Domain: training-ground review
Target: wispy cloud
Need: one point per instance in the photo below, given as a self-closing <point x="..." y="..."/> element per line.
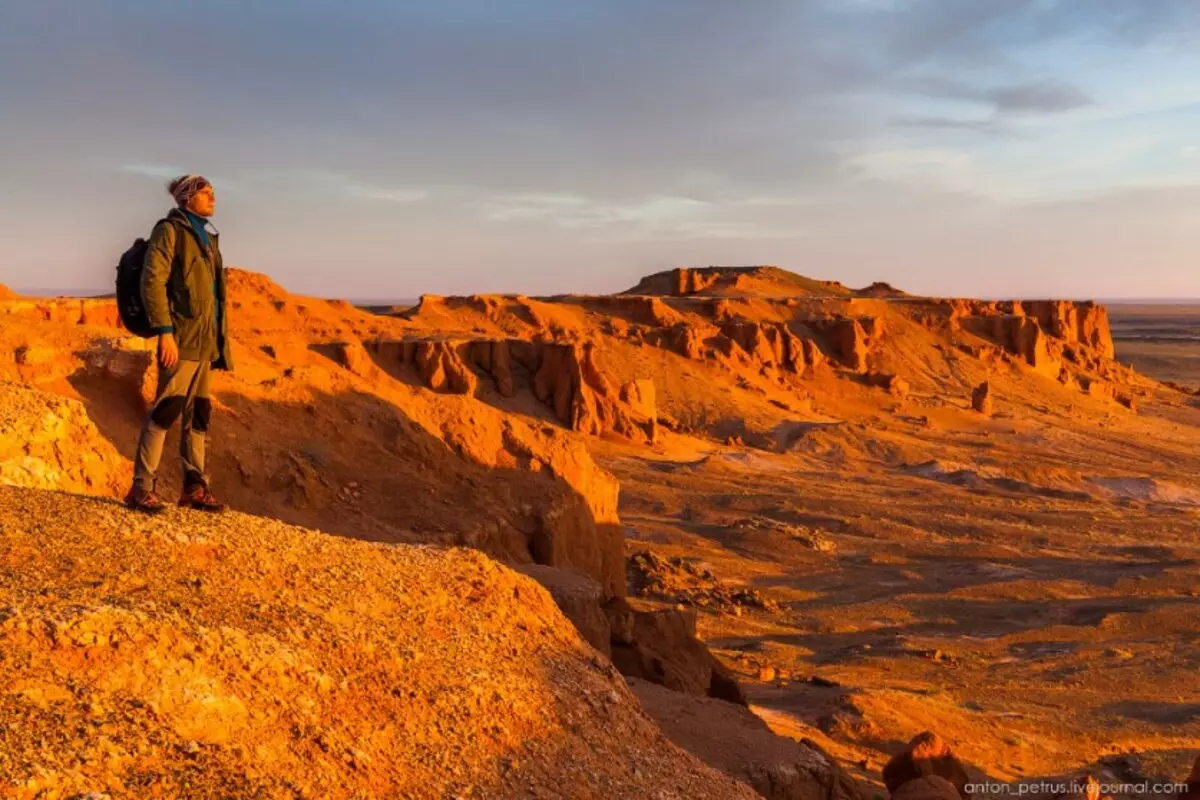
<point x="1039" y="97"/>
<point x="160" y="171"/>
<point x="874" y="127"/>
<point x="643" y="219"/>
<point x="386" y="195"/>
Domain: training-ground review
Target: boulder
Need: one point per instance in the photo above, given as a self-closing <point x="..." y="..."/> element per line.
<point x="925" y="755"/>
<point x="1127" y="400"/>
<point x="892" y="384"/>
<point x="981" y="399"/>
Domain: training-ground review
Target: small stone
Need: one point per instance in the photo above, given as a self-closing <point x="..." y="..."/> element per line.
<point x="766" y="673"/>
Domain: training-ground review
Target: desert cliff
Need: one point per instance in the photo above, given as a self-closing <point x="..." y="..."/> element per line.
<point x="826" y="520"/>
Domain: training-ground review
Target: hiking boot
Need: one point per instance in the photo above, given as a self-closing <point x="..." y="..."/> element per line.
<point x="199" y="497"/>
<point x="144" y="500"/>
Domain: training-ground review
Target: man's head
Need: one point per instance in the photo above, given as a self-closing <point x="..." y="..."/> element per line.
<point x="194" y="193"/>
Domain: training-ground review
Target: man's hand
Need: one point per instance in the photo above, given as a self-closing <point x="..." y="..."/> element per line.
<point x="168" y="350"/>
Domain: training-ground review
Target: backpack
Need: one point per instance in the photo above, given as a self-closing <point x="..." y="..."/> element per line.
<point x="130" y="305"/>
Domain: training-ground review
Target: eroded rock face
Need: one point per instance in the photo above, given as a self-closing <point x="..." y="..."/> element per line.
<point x="850" y="338"/>
<point x="49" y="442"/>
<point x="771" y="344"/>
<point x="732" y="739"/>
<point x="927" y="754"/>
<point x="661" y="647"/>
<point x="563" y="376"/>
<point x="579" y="598"/>
<point x="1085" y="323"/>
<point x="679" y="282"/>
<point x="1042" y="333"/>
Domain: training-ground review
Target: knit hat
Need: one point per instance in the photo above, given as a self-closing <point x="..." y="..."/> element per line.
<point x="185" y="187"/>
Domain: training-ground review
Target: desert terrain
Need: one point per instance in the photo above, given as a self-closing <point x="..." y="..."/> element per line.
<point x="733" y="531"/>
<point x="1161" y="340"/>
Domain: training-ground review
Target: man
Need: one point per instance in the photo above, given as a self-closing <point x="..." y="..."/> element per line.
<point x="183" y="288"/>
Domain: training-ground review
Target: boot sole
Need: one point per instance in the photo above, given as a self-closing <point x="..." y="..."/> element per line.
<point x="153" y="512"/>
<point x="206" y="509"/>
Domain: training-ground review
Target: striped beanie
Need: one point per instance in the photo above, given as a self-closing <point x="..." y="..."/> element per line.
<point x="185" y="187"/>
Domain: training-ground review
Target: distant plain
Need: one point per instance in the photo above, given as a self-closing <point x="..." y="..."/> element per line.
<point x="1161" y="340"/>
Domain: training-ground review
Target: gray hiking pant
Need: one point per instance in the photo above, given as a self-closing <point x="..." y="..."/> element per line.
<point x="182" y="392"/>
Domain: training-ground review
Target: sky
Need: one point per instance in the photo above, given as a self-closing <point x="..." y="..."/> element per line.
<point x="377" y="149"/>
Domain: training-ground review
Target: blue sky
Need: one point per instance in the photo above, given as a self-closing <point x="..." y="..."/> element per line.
<point x="386" y="149"/>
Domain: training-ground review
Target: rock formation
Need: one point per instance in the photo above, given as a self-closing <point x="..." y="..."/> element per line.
<point x="49" y="442"/>
<point x="981" y="399"/>
<point x="471" y="422"/>
<point x="1043" y="333"/>
<point x="684" y="281"/>
<point x="926" y="755"/>
<point x="661" y="647"/>
<point x="732" y="739"/>
<point x="563" y="376"/>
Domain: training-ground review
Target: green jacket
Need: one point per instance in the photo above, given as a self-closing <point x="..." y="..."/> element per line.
<point x="182" y="293"/>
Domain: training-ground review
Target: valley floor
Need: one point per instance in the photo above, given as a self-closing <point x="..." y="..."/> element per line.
<point x="1037" y="629"/>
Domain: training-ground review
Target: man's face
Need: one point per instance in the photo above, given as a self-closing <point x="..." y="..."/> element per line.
<point x="203" y="202"/>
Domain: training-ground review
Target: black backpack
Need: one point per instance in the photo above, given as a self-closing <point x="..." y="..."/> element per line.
<point x="129" y="290"/>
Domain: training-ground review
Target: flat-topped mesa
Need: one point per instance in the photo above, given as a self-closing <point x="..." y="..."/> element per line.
<point x="767" y="281"/>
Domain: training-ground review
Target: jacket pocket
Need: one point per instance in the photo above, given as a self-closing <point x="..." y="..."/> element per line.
<point x="181" y="302"/>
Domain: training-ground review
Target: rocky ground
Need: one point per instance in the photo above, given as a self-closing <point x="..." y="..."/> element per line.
<point x="229" y="656"/>
<point x="885" y="514"/>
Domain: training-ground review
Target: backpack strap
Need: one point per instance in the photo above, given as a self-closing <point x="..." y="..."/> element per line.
<point x="175" y="256"/>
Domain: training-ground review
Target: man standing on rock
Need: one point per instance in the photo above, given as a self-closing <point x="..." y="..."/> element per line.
<point x="183" y="289"/>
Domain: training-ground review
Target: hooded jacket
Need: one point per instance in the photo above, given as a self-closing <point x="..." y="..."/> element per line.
<point x="183" y="294"/>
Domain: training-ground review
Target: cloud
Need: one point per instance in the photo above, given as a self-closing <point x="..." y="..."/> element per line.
<point x="660" y="217"/>
<point x="549" y="125"/>
<point x="990" y="125"/>
<point x="386" y="195"/>
<point x="161" y="171"/>
<point x="1039" y="97"/>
